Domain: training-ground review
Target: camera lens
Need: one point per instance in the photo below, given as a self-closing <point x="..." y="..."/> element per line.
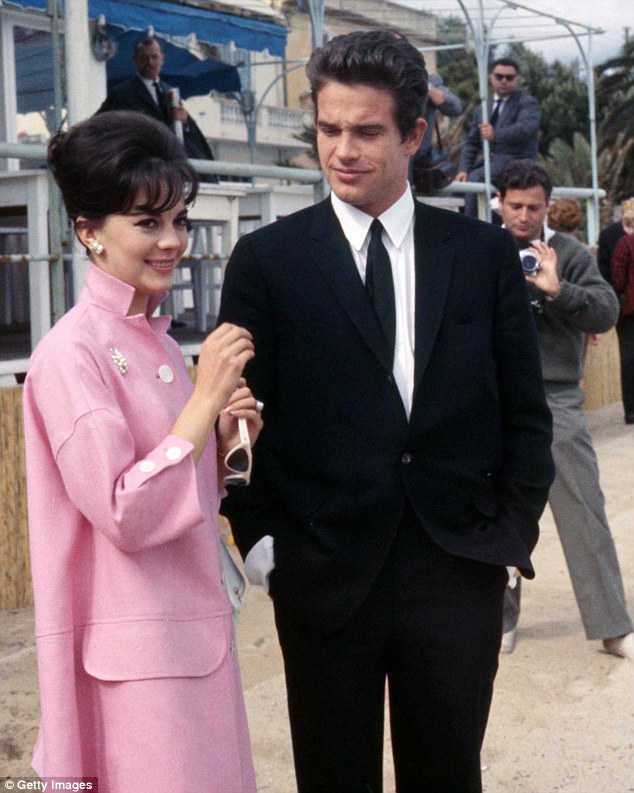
<point x="530" y="264"/>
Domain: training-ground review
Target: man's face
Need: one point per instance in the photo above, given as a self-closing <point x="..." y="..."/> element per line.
<point x="503" y="80"/>
<point x="360" y="147"/>
<point x="524" y="212"/>
<point x="149" y="60"/>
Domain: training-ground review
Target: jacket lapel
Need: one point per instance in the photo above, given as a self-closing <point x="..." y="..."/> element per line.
<point x="331" y="254"/>
<point x="434" y="263"/>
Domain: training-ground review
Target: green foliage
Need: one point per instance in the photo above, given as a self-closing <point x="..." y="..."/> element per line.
<point x="570" y="165"/>
<point x="457" y="67"/>
<point x="615" y="120"/>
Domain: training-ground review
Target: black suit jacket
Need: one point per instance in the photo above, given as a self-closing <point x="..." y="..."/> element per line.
<point x="133" y="95"/>
<point x="338" y="458"/>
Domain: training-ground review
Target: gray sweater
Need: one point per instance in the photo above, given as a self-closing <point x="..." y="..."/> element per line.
<point x="586" y="304"/>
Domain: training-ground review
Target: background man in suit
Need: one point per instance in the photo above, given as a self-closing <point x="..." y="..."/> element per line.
<point x="405" y="459"/>
<point x="439" y="100"/>
<point x="148" y="94"/>
<point x="512" y="130"/>
<point x="570" y="299"/>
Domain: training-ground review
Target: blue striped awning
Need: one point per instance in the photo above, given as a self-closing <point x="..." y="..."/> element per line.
<point x="176" y="19"/>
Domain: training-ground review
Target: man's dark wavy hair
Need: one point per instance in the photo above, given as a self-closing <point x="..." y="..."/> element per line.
<point x="379" y="59"/>
<point x="522" y="175"/>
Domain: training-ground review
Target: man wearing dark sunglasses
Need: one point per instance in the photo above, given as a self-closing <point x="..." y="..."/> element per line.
<point x="511" y="130"/>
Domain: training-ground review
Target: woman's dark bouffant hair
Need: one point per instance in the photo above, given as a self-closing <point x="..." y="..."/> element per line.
<point x="379" y="59"/>
<point x="102" y="164"/>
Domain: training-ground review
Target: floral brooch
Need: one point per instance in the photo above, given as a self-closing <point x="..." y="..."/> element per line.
<point x="120" y="361"/>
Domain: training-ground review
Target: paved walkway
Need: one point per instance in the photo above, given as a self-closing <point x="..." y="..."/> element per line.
<point x="563" y="711"/>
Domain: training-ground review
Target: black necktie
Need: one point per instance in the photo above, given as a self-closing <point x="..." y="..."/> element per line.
<point x="162" y="102"/>
<point x="496" y="112"/>
<point x="379" y="283"/>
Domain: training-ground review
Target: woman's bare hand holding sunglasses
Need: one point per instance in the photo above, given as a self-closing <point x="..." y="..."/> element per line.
<point x="239" y="425"/>
<point x="222" y="358"/>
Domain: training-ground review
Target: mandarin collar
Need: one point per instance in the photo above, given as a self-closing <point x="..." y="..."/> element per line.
<point x="104" y="290"/>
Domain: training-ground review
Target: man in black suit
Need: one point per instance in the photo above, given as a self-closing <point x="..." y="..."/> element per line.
<point x="511" y="130"/>
<point x="148" y="94"/>
<point x="405" y="457"/>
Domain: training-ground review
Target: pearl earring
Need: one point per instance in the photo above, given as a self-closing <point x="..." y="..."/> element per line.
<point x="96" y="247"/>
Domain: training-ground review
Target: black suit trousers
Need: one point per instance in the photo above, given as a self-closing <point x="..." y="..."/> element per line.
<point x="431" y="627"/>
<point x="625" y="332"/>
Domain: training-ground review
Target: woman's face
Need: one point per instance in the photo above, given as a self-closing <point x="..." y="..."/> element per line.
<point x="142" y="248"/>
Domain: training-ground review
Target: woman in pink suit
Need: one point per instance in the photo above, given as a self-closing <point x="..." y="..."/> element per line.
<point x="139" y="680"/>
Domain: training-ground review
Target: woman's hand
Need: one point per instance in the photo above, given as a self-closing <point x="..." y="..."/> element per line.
<point x="223" y="356"/>
<point x="242" y="404"/>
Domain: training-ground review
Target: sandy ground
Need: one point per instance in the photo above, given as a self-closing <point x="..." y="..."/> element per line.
<point x="563" y="711"/>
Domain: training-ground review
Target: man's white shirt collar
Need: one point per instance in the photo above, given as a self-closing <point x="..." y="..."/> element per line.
<point x="356" y="224"/>
<point x="148" y="83"/>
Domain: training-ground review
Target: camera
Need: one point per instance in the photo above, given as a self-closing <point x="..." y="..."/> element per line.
<point x="530" y="265"/>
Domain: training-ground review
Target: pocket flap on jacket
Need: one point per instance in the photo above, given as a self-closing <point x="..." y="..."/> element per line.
<point x="150" y="648"/>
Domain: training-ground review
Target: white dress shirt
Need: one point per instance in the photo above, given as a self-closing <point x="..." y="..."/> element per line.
<point x="398" y="238"/>
<point x="149" y="84"/>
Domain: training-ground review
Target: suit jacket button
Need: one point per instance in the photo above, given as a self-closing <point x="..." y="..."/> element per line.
<point x="406" y="458"/>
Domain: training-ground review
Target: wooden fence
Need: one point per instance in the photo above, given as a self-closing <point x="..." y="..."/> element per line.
<point x="602" y="387"/>
<point x="14" y="549"/>
<point x="602" y="384"/>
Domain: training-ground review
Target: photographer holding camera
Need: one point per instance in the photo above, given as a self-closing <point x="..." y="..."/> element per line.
<point x="570" y="298"/>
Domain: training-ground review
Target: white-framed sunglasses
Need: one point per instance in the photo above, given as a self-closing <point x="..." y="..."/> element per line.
<point x="238" y="460"/>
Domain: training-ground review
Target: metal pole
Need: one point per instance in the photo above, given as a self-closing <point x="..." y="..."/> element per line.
<point x="316" y="9"/>
<point x="57" y="220"/>
<point x="593" y="223"/>
<point x="592" y="217"/>
<point x="481" y="44"/>
<point x="78" y="63"/>
<point x="78" y="59"/>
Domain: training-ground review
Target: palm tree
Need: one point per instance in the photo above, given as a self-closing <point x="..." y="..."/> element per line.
<point x="615" y="102"/>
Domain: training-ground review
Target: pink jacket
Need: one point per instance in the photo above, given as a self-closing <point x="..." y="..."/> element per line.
<point x="123" y="525"/>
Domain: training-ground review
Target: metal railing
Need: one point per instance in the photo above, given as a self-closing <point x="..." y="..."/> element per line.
<point x="38" y="151"/>
<point x="584" y="194"/>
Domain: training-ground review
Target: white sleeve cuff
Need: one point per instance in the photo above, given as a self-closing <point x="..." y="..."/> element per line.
<point x="260" y="561"/>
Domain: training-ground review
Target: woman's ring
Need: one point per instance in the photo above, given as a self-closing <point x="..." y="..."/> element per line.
<point x="259" y="406"/>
